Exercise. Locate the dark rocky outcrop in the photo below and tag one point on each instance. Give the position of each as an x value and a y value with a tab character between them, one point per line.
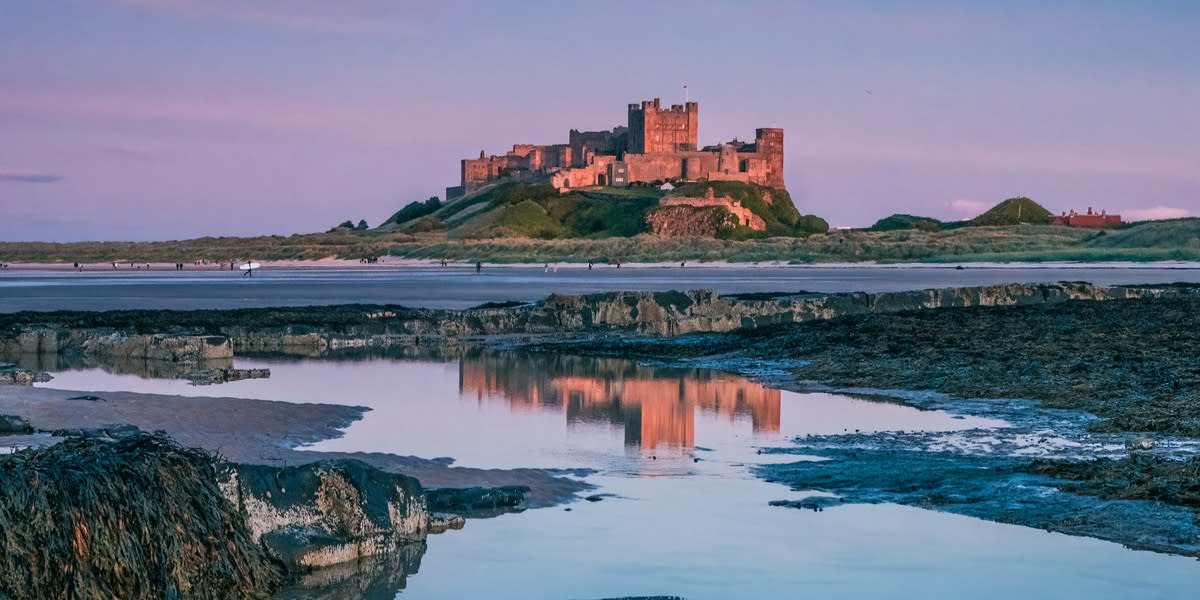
310	331
331	512
122	513
10	373
477	501
139	517
10	424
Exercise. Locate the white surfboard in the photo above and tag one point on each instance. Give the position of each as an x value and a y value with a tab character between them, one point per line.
249	266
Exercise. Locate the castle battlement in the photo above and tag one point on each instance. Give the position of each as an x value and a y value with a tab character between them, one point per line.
656	145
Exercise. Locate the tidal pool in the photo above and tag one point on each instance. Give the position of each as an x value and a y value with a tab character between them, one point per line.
679	511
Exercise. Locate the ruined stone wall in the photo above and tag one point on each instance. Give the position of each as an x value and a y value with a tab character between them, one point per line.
600	172
613	142
744	215
769	147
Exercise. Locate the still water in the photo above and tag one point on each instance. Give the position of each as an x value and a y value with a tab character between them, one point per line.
681	514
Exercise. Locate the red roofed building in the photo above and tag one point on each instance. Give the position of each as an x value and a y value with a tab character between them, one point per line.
1091	219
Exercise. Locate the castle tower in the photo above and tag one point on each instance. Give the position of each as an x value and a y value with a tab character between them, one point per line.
653	129
769	143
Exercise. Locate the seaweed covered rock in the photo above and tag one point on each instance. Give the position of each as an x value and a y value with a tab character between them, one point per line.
331	512
138	517
477	501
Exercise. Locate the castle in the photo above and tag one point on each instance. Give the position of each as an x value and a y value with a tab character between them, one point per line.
657	145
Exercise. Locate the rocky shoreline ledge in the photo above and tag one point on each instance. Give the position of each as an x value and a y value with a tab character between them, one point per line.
1102	401
1101	356
205	335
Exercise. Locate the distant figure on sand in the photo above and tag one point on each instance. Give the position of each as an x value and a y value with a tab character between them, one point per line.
478	266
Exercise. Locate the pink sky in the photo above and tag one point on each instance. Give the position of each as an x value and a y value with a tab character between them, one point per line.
145	119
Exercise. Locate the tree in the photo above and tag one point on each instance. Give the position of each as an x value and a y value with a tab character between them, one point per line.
362	225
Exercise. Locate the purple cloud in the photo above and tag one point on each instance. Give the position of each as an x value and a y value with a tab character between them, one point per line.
137	153
1154	213
28	177
346	16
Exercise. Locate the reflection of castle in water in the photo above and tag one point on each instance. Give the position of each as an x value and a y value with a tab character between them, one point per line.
657	407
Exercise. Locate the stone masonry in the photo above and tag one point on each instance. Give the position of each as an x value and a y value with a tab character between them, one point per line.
657	145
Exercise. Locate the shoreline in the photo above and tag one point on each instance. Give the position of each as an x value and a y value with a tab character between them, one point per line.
390	263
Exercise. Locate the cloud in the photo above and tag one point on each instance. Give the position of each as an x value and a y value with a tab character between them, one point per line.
1154	213
367	122
27	177
324	16
1047	158
136	153
965	207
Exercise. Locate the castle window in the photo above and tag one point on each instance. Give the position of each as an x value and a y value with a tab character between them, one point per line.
743	165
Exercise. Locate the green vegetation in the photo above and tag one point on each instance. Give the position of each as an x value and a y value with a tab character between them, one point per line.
1173	234
1152	241
542	212
415	210
531	219
1013	211
902	221
518	222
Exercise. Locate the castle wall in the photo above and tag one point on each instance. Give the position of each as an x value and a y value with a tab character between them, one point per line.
601	142
768	143
658	145
655	130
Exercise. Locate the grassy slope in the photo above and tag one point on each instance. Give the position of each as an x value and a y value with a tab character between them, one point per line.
1013	211
1158	240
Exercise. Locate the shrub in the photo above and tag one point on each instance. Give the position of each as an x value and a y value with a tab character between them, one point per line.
904	221
416	210
426	225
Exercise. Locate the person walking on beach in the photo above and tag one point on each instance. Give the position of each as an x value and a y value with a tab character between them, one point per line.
478	266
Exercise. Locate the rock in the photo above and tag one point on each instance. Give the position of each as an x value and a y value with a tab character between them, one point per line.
136	518
477	501
311	331
102	432
13	374
1142	443
813	503
222	375
10	424
87	398
330	512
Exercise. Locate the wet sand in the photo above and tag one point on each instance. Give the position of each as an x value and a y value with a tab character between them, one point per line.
258	432
458	287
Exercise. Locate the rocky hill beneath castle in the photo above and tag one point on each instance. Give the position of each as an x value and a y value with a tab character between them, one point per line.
719	210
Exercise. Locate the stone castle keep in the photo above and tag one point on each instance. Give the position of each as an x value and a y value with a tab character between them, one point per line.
657	145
